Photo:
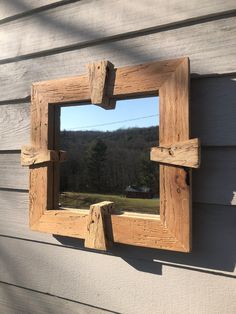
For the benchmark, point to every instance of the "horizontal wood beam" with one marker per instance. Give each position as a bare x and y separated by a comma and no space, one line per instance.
31,156
185,153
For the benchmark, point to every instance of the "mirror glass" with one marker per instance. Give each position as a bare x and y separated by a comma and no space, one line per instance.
109,156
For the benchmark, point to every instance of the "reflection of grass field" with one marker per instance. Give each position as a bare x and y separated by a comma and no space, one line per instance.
84,200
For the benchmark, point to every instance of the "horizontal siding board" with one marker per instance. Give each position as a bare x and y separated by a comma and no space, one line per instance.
213,183
12,174
15,300
213,230
205,44
213,110
212,114
14,126
61,26
11,8
122,284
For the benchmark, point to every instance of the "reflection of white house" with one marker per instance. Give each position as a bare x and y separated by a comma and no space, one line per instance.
134,191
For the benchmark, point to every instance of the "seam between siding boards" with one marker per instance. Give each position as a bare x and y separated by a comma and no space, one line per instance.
58,297
125,256
124,36
57,3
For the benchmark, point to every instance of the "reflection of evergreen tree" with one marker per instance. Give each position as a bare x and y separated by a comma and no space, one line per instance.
149,175
96,157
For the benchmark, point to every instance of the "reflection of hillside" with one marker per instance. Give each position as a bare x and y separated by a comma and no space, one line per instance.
126,159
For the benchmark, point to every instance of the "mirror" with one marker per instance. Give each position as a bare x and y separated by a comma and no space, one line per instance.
109,156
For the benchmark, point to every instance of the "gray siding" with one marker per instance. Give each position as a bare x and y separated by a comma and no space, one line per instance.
42,273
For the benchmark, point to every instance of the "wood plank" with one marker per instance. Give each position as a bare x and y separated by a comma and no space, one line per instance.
99,73
174,126
14,126
35,266
19,300
61,27
207,53
31,156
185,154
12,8
12,174
96,235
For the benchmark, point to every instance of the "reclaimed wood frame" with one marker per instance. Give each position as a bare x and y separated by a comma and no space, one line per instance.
171,229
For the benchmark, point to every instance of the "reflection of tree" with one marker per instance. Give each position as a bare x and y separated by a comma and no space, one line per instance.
149,175
96,157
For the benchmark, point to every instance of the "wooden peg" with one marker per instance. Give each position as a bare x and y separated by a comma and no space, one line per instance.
31,156
98,78
185,153
96,233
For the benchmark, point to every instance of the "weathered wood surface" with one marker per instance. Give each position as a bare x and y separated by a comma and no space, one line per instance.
16,300
61,26
207,55
14,126
213,182
35,266
212,108
12,174
148,78
185,154
31,156
99,73
96,236
14,8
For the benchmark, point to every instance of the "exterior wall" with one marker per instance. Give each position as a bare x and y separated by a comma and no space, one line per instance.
42,273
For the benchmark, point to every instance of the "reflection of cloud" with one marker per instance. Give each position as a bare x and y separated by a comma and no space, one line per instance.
233,201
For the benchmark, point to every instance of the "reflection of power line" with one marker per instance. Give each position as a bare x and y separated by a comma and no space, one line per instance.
114,122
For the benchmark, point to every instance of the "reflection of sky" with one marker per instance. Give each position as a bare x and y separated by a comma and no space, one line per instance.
90,117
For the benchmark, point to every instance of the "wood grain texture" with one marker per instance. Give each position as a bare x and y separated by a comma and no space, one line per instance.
171,79
11,8
15,300
12,175
31,156
185,154
61,27
35,266
207,54
175,188
96,233
99,73
14,126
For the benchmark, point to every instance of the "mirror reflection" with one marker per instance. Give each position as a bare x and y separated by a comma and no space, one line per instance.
109,156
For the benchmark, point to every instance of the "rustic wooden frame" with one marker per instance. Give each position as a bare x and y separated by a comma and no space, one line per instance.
170,230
